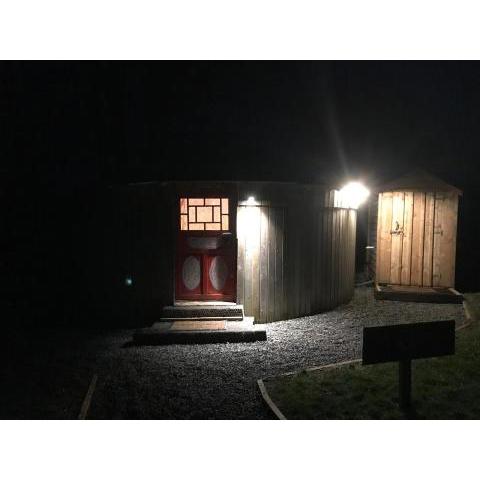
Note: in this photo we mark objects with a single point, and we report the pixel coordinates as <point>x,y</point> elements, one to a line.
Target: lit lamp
<point>353,194</point>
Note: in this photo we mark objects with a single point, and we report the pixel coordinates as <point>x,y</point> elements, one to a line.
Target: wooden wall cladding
<point>295,259</point>
<point>151,217</point>
<point>296,250</point>
<point>416,238</point>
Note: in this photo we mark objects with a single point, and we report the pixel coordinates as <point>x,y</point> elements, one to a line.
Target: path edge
<point>271,404</point>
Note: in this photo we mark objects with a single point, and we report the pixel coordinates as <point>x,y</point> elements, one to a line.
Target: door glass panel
<point>204,214</point>
<point>225,205</point>
<point>224,222</point>
<point>183,222</point>
<point>216,214</point>
<point>196,226</point>
<point>212,226</point>
<point>183,205</point>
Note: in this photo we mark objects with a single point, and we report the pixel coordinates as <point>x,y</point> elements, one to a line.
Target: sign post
<point>405,384</point>
<point>405,342</point>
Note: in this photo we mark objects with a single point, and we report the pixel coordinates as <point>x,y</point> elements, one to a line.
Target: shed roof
<point>419,180</point>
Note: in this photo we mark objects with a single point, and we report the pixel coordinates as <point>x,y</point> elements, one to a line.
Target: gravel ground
<point>219,381</point>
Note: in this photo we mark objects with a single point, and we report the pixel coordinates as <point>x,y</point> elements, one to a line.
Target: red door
<point>206,251</point>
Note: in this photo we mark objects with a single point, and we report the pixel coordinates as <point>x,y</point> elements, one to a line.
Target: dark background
<point>69,130</point>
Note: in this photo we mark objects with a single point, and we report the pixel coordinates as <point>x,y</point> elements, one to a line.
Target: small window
<point>204,214</point>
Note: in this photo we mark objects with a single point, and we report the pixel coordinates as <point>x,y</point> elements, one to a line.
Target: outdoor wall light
<point>128,281</point>
<point>353,194</point>
<point>251,201</point>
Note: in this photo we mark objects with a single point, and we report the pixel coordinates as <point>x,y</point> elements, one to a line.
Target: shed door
<point>416,238</point>
<point>206,251</point>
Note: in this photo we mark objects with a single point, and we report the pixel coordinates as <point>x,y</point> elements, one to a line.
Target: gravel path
<point>219,381</point>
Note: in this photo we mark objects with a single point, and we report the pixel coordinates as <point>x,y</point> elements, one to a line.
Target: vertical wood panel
<point>418,227</point>
<point>428,240</point>
<point>384,253</point>
<point>294,235</point>
<point>240,256</point>
<point>438,217</point>
<point>321,260</point>
<point>397,239</point>
<point>278,299</point>
<point>342,251</point>
<point>333,246</point>
<point>407,239</point>
<point>448,250</point>
<point>248,305</point>
<point>271,264</point>
<point>255,247</point>
<point>325,257</point>
<point>353,231</point>
<point>264,271</point>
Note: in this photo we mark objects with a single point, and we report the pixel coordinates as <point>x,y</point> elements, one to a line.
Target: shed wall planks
<point>428,240</point>
<point>406,261</point>
<point>416,238</point>
<point>384,241</point>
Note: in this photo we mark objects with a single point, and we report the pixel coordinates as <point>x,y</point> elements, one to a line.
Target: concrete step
<point>161,333</point>
<point>210,311</point>
<point>228,319</point>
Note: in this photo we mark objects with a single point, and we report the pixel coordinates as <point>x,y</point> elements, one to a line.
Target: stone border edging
<point>468,315</point>
<point>88,398</point>
<point>271,404</point>
<point>268,400</point>
<point>278,413</point>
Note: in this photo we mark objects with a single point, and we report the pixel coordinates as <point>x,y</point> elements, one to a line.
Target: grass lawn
<point>443,388</point>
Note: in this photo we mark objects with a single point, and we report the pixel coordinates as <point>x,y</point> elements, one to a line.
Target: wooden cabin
<point>282,250</point>
<point>415,243</point>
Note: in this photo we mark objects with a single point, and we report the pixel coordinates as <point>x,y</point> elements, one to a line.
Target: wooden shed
<point>280,250</point>
<point>416,230</point>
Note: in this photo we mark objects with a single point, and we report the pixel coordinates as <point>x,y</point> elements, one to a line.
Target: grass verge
<point>443,388</point>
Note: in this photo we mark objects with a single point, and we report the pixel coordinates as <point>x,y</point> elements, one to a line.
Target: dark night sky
<point>69,129</point>
<point>79,124</point>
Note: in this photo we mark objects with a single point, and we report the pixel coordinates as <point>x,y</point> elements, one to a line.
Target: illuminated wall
<point>296,253</point>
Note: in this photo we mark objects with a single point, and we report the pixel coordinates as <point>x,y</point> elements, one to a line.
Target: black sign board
<point>405,342</point>
<point>408,341</point>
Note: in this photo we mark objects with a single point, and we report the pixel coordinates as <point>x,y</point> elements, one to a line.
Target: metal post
<point>405,383</point>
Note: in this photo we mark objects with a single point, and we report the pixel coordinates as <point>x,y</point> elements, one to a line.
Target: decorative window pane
<point>204,214</point>
<point>183,205</point>
<point>196,226</point>
<point>224,222</point>
<point>224,205</point>
<point>183,222</point>
<point>216,214</point>
<point>191,214</point>
<point>212,226</point>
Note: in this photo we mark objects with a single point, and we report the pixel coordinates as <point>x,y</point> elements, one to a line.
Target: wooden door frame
<point>206,192</point>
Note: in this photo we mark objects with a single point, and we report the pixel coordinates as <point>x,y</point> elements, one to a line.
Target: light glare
<point>353,194</point>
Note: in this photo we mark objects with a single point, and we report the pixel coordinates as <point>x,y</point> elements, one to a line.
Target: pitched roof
<point>418,180</point>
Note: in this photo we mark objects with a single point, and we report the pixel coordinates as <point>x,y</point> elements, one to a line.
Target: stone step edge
<point>206,336</point>
<point>201,313</point>
<point>203,307</point>
<point>200,319</point>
